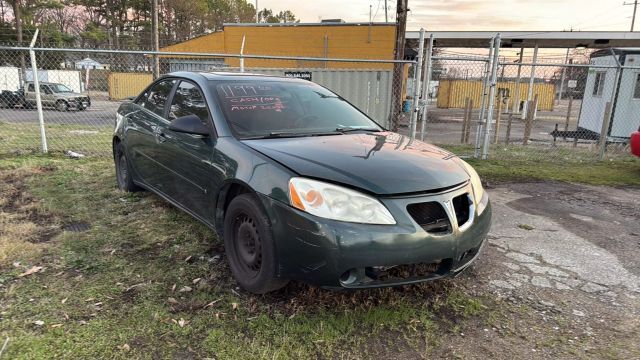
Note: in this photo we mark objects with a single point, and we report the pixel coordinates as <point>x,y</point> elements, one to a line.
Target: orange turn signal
<point>295,199</point>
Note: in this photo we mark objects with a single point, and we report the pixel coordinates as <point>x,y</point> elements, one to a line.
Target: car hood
<point>382,163</point>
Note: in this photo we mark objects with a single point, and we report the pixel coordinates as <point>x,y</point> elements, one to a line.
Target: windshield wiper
<point>346,129</point>
<point>290,134</point>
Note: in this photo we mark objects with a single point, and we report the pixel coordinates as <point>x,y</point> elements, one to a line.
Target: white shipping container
<point>70,78</point>
<point>9,78</point>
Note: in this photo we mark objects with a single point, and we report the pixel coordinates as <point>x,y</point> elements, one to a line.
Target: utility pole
<point>398,68</point>
<point>257,13</point>
<point>386,14</point>
<point>155,37</point>
<point>635,9</point>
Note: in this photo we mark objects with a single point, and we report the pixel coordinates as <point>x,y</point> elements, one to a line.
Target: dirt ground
<point>570,253</point>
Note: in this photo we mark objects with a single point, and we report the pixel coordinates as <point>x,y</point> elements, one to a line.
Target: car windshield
<point>59,88</point>
<point>264,108</point>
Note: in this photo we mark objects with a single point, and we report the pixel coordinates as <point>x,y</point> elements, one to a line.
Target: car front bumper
<point>332,253</point>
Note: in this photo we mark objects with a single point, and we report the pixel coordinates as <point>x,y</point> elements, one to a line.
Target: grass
<point>119,289</point>
<point>85,139</point>
<point>147,281</point>
<point>518,163</point>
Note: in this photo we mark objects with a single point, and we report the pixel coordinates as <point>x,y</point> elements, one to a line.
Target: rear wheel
<point>249,246</point>
<point>123,174</point>
<point>62,105</point>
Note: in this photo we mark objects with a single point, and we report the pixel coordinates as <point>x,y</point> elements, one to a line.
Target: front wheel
<point>123,174</point>
<point>250,247</point>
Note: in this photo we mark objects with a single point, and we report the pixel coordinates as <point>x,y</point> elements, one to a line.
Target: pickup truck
<point>58,96</point>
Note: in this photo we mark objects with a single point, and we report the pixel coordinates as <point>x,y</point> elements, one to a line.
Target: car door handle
<point>161,137</point>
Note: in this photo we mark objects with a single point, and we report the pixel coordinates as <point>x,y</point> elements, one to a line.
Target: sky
<point>487,15</point>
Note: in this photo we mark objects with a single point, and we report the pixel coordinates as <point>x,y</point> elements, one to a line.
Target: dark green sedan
<point>300,184</point>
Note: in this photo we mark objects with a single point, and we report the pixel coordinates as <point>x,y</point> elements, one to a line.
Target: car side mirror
<point>189,124</point>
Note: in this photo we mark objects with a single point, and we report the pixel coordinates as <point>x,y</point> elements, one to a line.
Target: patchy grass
<point>25,138</point>
<point>519,163</point>
<point>147,281</point>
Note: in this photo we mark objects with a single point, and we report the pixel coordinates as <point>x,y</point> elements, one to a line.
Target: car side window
<point>45,89</point>
<point>188,100</point>
<point>156,97</point>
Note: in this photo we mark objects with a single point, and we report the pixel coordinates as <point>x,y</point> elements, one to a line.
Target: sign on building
<point>572,84</point>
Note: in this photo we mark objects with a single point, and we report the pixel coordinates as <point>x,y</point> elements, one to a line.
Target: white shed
<point>89,63</point>
<point>599,90</point>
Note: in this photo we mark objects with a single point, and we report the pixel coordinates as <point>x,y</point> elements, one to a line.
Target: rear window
<point>259,108</point>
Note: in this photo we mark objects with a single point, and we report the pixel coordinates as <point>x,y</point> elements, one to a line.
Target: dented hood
<point>382,163</point>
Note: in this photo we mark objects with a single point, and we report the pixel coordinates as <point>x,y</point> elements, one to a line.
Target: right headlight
<point>480,196</point>
<point>337,203</point>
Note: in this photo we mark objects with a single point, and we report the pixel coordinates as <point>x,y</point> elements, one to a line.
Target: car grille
<point>461,205</point>
<point>431,217</point>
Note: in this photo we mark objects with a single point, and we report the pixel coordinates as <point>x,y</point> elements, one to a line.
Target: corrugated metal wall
<point>453,93</point>
<point>124,85</point>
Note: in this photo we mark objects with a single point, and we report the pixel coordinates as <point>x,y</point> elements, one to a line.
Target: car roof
<point>231,76</point>
<point>44,83</point>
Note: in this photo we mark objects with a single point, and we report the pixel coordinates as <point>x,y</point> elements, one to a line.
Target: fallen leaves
<point>185,289</point>
<point>32,270</point>
<point>38,322</point>
<point>182,322</point>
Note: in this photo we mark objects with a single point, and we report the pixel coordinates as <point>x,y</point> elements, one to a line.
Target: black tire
<point>123,173</point>
<point>27,105</point>
<point>62,105</point>
<point>249,245</point>
<point>4,104</point>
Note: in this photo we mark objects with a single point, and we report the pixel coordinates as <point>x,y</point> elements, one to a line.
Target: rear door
<point>47,96</point>
<point>143,140</point>
<point>190,157</point>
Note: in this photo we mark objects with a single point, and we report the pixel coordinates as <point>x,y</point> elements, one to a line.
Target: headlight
<point>337,203</point>
<point>479,195</point>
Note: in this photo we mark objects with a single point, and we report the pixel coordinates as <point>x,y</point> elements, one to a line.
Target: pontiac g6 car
<point>299,183</point>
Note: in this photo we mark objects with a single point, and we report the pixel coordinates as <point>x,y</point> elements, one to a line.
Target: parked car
<point>635,143</point>
<point>300,184</point>
<point>11,99</point>
<point>58,96</point>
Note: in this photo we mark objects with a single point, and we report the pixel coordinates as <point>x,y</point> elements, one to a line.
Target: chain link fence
<point>541,110</point>
<point>81,90</point>
<point>475,105</point>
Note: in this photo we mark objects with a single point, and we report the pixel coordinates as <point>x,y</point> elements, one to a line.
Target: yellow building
<point>318,40</point>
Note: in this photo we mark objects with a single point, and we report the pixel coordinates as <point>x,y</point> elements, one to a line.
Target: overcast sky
<point>473,14</point>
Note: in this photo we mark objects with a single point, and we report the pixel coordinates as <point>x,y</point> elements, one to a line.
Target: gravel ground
<point>570,252</point>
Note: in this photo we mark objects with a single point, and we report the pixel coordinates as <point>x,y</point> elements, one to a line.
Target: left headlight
<point>337,203</point>
<point>479,195</point>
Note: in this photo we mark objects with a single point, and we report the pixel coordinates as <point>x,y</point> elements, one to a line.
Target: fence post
<point>36,84</point>
<point>476,153</point>
<point>425,87</point>
<point>508,134</point>
<point>242,53</point>
<point>531,110</point>
<point>467,131</point>
<point>532,78</point>
<point>417,77</point>
<point>566,122</point>
<point>501,100</point>
<point>602,140</point>
<point>465,121</point>
<point>492,97</point>
<point>606,122</point>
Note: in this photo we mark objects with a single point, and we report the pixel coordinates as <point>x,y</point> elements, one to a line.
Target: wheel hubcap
<point>248,245</point>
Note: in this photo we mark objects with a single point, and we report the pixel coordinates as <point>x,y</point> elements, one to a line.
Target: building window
<point>598,86</point>
<point>636,91</point>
